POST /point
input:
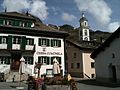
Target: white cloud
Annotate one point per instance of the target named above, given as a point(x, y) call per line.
point(39, 9)
point(113, 26)
point(16, 5)
point(35, 7)
point(68, 17)
point(98, 8)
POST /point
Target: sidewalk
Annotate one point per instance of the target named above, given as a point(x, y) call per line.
point(12, 85)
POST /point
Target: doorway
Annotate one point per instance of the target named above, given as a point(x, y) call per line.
point(15, 61)
point(114, 78)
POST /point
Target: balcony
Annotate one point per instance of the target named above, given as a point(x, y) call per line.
point(18, 47)
point(3, 46)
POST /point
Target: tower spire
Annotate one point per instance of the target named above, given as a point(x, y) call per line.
point(83, 14)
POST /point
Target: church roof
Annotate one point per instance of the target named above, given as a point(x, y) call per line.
point(107, 43)
point(83, 19)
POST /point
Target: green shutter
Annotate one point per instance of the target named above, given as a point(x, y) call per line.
point(39, 42)
point(16, 23)
point(59, 43)
point(23, 42)
point(1, 21)
point(9, 45)
point(47, 42)
point(52, 41)
point(0, 39)
point(29, 24)
point(31, 60)
point(47, 60)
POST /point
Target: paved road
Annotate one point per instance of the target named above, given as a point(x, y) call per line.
point(12, 86)
point(81, 86)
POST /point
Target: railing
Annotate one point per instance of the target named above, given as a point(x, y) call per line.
point(5, 69)
point(28, 70)
point(86, 75)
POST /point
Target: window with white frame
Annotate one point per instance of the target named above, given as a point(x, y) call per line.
point(5, 60)
point(3, 40)
point(29, 60)
point(43, 42)
point(57, 58)
point(16, 40)
point(55, 43)
point(29, 41)
point(44, 60)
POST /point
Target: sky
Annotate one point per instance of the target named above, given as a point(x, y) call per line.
point(102, 15)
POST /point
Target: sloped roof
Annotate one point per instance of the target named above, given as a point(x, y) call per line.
point(16, 14)
point(107, 43)
point(88, 45)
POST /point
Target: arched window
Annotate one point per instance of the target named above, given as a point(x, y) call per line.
point(85, 23)
point(85, 32)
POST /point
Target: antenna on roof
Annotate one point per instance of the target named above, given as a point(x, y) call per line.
point(5, 9)
point(27, 13)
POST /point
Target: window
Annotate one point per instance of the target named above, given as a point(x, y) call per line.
point(10, 22)
point(55, 43)
point(3, 40)
point(30, 41)
point(49, 72)
point(43, 42)
point(113, 55)
point(72, 65)
point(85, 32)
point(92, 65)
point(16, 40)
point(74, 55)
point(78, 65)
point(5, 60)
point(44, 60)
point(92, 75)
point(85, 23)
point(29, 60)
point(58, 59)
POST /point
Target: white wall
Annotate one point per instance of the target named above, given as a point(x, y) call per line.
point(104, 58)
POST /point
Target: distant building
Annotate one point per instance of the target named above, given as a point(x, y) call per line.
point(79, 63)
point(25, 35)
point(107, 59)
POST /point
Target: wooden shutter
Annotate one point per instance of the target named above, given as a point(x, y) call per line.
point(1, 21)
point(23, 42)
point(9, 45)
point(0, 39)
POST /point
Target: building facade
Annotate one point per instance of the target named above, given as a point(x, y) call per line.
point(107, 59)
point(79, 62)
point(20, 37)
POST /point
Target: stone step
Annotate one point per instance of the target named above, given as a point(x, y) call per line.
point(15, 76)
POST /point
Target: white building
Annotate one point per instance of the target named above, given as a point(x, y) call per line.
point(20, 37)
point(107, 59)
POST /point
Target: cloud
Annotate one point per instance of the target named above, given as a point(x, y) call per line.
point(16, 5)
point(113, 26)
point(39, 9)
point(55, 10)
point(98, 8)
point(68, 17)
point(35, 7)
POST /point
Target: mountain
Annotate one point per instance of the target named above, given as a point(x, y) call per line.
point(98, 36)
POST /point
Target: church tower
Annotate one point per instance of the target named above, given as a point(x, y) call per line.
point(84, 29)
